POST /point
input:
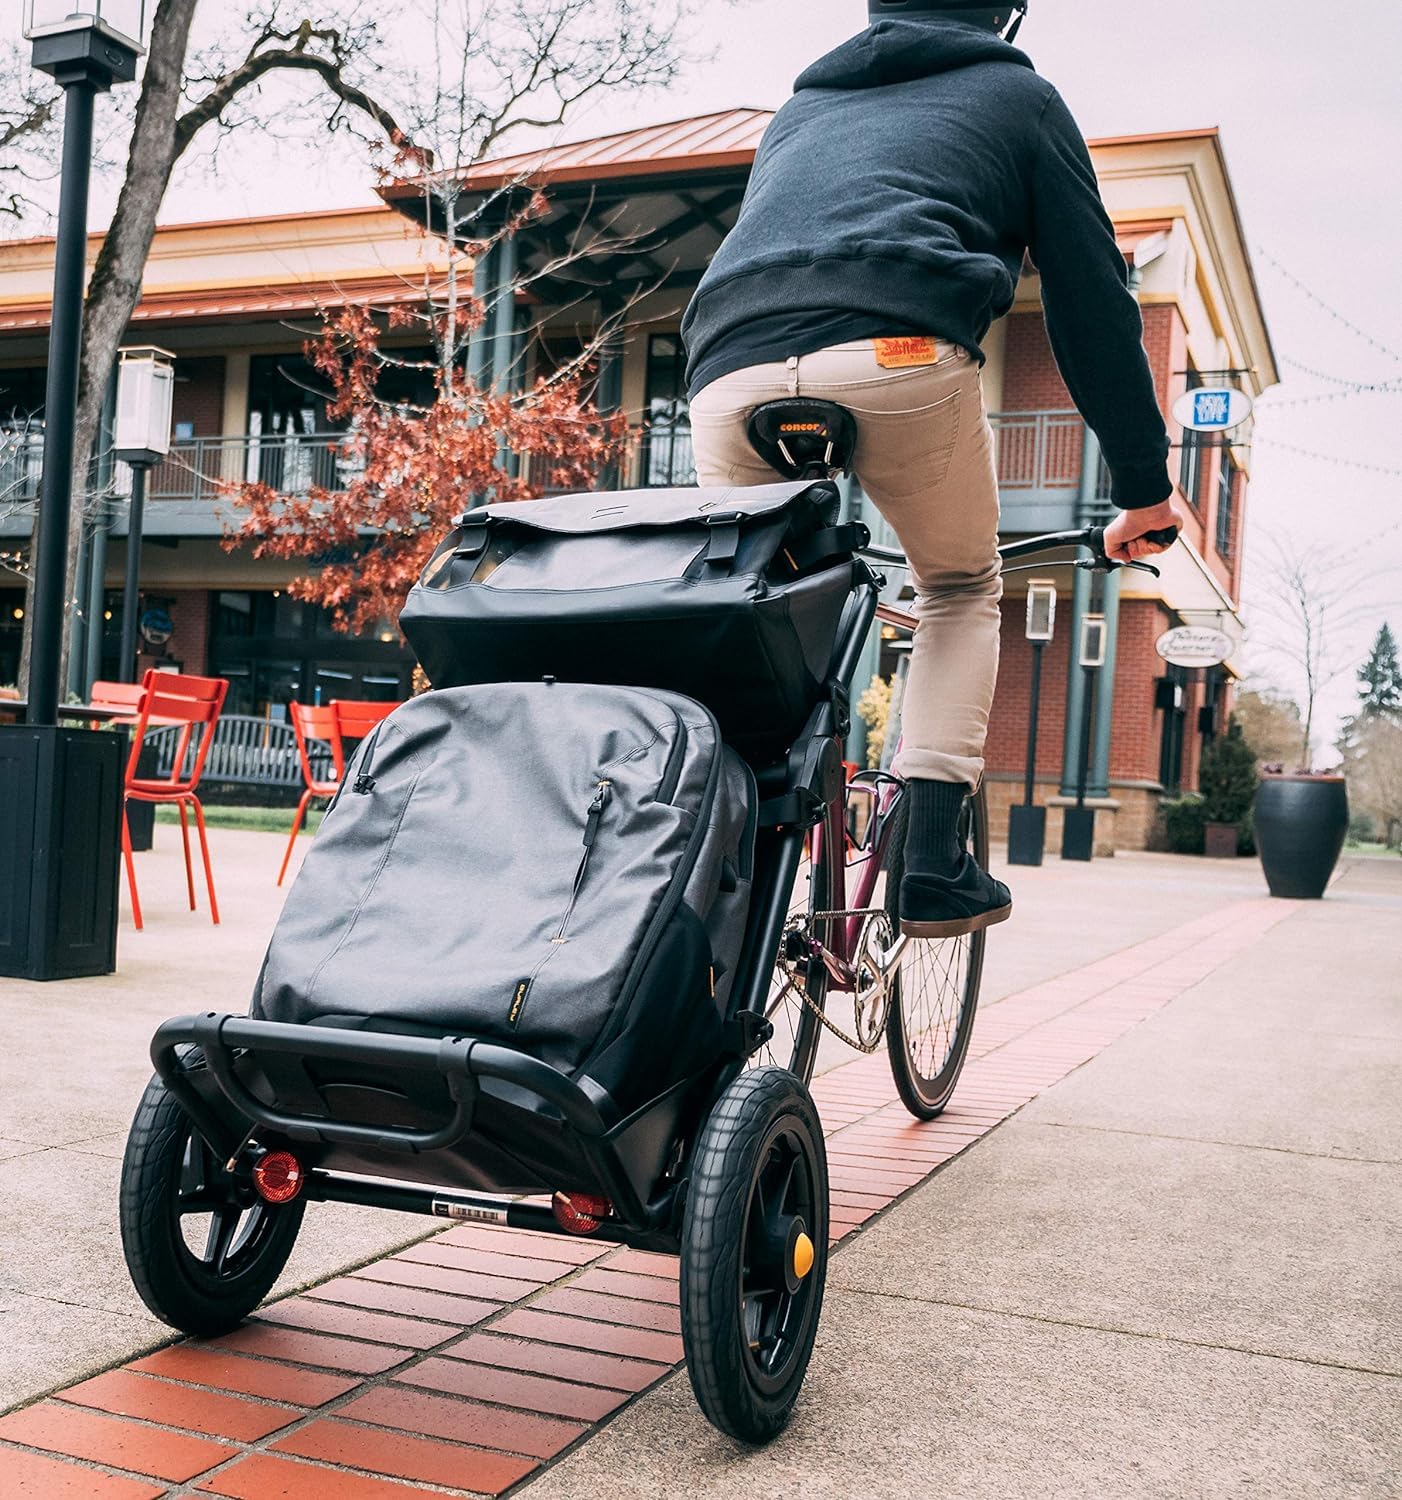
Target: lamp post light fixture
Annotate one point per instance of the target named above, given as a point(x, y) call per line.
point(1078, 826)
point(58, 882)
point(141, 438)
point(1027, 823)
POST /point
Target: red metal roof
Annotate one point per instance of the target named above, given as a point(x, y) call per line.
point(728, 138)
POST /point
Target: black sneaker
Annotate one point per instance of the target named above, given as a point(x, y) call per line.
point(944, 906)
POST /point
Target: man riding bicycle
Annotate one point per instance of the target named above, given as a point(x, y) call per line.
point(892, 202)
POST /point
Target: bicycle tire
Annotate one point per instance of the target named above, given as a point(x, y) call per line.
point(928, 1052)
point(797, 1029)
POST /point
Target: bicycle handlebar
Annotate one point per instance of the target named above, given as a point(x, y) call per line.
point(1092, 538)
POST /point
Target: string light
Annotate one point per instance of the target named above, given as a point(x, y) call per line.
point(1309, 370)
point(1377, 388)
point(1320, 303)
point(1329, 458)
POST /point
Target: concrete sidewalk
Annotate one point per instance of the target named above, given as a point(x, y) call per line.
point(1167, 1275)
point(1173, 1274)
point(73, 1063)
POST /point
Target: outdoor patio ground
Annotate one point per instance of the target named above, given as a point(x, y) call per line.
point(468, 1361)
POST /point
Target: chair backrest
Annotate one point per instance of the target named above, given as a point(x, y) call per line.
point(320, 723)
point(195, 703)
point(358, 716)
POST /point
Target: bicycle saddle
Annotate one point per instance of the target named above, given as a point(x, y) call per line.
point(803, 438)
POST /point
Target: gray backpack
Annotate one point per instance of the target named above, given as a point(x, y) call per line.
point(560, 867)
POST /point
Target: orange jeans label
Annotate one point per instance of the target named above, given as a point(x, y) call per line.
point(905, 354)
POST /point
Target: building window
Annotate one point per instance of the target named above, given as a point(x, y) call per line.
point(1193, 457)
point(1226, 501)
point(1171, 695)
point(666, 455)
point(275, 650)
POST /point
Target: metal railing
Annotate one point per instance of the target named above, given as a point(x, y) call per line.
point(201, 468)
point(1037, 451)
point(246, 749)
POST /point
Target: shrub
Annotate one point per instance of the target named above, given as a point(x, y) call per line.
point(1228, 777)
point(1183, 820)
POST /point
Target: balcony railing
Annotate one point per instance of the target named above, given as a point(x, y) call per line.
point(1038, 455)
point(198, 469)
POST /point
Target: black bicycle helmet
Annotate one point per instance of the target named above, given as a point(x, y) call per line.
point(996, 16)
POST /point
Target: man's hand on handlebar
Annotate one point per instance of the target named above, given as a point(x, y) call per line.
point(1134, 534)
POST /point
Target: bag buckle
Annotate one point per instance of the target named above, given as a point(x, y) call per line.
point(474, 524)
point(724, 541)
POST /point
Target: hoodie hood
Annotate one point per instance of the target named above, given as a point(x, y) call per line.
point(898, 51)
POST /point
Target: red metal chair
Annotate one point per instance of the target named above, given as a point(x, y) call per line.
point(125, 695)
point(356, 717)
point(340, 720)
point(195, 703)
point(314, 724)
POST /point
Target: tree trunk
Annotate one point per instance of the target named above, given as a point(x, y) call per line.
point(115, 285)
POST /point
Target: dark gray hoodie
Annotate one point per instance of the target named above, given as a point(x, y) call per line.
point(898, 191)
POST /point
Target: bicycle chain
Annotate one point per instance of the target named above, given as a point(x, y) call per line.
point(866, 1048)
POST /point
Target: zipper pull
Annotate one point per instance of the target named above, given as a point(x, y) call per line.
point(591, 832)
point(596, 812)
point(364, 782)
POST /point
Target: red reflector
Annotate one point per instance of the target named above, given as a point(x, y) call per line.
point(278, 1176)
point(580, 1213)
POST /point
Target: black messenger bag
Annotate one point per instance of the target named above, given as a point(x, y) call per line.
point(730, 596)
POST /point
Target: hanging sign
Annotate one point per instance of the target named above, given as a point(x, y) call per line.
point(156, 626)
point(1195, 646)
point(1212, 408)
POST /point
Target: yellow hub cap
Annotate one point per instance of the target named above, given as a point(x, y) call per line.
point(802, 1256)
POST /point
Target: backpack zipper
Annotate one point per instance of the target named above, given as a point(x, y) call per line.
point(364, 782)
point(603, 790)
point(672, 896)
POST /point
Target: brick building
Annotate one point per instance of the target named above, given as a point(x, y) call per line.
point(233, 302)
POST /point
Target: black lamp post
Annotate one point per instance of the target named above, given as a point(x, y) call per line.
point(63, 787)
point(141, 438)
point(1078, 826)
point(1027, 823)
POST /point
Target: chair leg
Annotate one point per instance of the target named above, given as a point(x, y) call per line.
point(189, 863)
point(131, 869)
point(296, 829)
point(208, 868)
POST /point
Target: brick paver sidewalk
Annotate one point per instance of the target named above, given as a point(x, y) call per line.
point(462, 1364)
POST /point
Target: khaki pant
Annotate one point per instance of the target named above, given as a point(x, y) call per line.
point(925, 458)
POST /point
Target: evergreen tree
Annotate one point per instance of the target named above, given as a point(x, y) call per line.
point(1379, 694)
point(1380, 678)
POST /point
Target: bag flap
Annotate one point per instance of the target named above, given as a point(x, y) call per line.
point(623, 510)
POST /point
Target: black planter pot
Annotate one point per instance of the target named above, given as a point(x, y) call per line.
point(1301, 823)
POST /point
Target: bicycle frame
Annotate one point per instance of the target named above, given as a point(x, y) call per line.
point(839, 953)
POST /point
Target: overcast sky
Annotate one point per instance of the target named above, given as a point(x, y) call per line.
point(1307, 96)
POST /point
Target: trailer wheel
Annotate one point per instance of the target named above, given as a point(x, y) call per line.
point(202, 1250)
point(754, 1253)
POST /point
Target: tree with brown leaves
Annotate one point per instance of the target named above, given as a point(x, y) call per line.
point(411, 469)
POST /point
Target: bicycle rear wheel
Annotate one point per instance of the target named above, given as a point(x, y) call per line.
point(799, 985)
point(935, 994)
